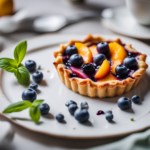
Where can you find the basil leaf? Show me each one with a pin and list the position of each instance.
(35, 113)
(22, 75)
(17, 107)
(8, 64)
(37, 102)
(20, 51)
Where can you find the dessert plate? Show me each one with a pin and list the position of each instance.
(55, 93)
(123, 23)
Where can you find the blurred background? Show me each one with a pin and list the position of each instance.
(22, 19)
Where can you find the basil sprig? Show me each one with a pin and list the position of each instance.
(15, 66)
(22, 105)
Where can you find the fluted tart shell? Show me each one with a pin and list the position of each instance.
(98, 89)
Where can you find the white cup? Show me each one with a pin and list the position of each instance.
(140, 9)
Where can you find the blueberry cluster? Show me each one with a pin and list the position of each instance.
(80, 114)
(125, 103)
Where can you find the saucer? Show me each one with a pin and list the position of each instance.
(123, 23)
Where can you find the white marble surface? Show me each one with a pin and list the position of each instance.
(24, 139)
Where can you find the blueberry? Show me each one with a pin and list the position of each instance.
(109, 116)
(73, 75)
(30, 65)
(136, 99)
(99, 58)
(29, 94)
(71, 49)
(103, 48)
(37, 76)
(33, 86)
(108, 111)
(70, 102)
(81, 115)
(121, 71)
(124, 103)
(76, 60)
(72, 108)
(44, 108)
(84, 105)
(59, 117)
(130, 62)
(88, 68)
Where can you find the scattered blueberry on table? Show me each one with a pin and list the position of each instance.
(44, 108)
(76, 60)
(108, 115)
(136, 99)
(59, 117)
(71, 49)
(29, 94)
(84, 105)
(30, 65)
(37, 76)
(124, 103)
(70, 102)
(81, 115)
(33, 86)
(72, 108)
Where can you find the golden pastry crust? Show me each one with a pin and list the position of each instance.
(98, 89)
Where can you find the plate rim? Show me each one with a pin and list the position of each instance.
(66, 136)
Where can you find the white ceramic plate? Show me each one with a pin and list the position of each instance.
(123, 23)
(56, 94)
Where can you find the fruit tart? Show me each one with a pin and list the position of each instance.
(97, 67)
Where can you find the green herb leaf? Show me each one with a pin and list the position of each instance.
(132, 119)
(20, 51)
(37, 102)
(23, 76)
(17, 107)
(35, 113)
(8, 64)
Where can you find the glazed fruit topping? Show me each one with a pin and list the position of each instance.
(88, 68)
(71, 49)
(130, 62)
(76, 60)
(121, 71)
(103, 48)
(103, 70)
(85, 52)
(99, 58)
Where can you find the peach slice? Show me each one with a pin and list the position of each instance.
(85, 52)
(93, 49)
(103, 70)
(109, 77)
(117, 53)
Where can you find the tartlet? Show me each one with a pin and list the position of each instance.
(105, 87)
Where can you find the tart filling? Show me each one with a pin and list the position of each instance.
(98, 67)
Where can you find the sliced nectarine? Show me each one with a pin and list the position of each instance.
(118, 54)
(93, 49)
(103, 70)
(85, 52)
(109, 77)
